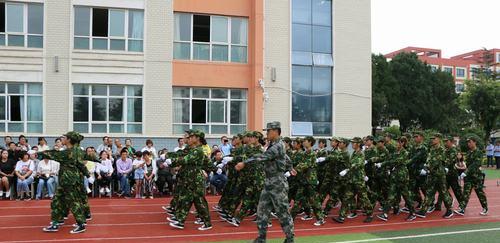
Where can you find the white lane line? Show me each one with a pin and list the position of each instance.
(419, 236)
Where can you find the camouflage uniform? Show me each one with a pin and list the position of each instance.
(370, 171)
(343, 183)
(331, 186)
(399, 181)
(307, 182)
(473, 179)
(356, 185)
(230, 194)
(381, 179)
(275, 193)
(175, 194)
(193, 185)
(452, 176)
(321, 167)
(436, 181)
(295, 158)
(418, 157)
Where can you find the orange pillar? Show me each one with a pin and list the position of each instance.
(255, 98)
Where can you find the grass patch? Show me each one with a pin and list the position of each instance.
(492, 173)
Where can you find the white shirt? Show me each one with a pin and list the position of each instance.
(106, 166)
(47, 168)
(24, 167)
(43, 148)
(137, 163)
(151, 150)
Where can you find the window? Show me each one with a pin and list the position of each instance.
(21, 107)
(312, 63)
(460, 72)
(210, 38)
(213, 111)
(108, 29)
(107, 108)
(448, 70)
(434, 68)
(498, 57)
(459, 88)
(21, 24)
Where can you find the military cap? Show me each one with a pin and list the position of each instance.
(436, 135)
(406, 135)
(74, 137)
(258, 134)
(418, 133)
(356, 140)
(448, 138)
(287, 140)
(197, 133)
(345, 141)
(298, 140)
(239, 135)
(388, 134)
(248, 134)
(379, 139)
(310, 139)
(473, 138)
(370, 137)
(322, 140)
(273, 125)
(334, 139)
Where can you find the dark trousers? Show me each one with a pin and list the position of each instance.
(165, 177)
(490, 161)
(497, 159)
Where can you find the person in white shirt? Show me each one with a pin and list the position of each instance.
(150, 148)
(24, 173)
(104, 171)
(149, 174)
(180, 145)
(87, 181)
(46, 172)
(42, 144)
(138, 165)
(23, 143)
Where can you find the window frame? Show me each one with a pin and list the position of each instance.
(25, 32)
(25, 122)
(125, 36)
(462, 69)
(448, 67)
(227, 111)
(90, 122)
(211, 43)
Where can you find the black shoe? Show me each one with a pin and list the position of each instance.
(460, 212)
(411, 217)
(51, 228)
(234, 222)
(60, 223)
(352, 216)
(88, 217)
(177, 225)
(449, 214)
(339, 219)
(396, 211)
(319, 222)
(405, 210)
(368, 219)
(383, 217)
(484, 212)
(431, 209)
(79, 229)
(205, 227)
(172, 219)
(420, 214)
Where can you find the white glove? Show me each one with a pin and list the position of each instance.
(366, 178)
(226, 160)
(167, 162)
(378, 165)
(463, 175)
(344, 172)
(446, 169)
(423, 172)
(220, 166)
(287, 174)
(320, 159)
(162, 157)
(219, 171)
(215, 163)
(91, 180)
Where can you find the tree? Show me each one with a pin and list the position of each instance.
(481, 98)
(385, 92)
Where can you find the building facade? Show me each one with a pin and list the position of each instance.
(461, 67)
(156, 68)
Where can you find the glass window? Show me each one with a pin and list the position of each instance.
(80, 89)
(118, 45)
(134, 90)
(2, 19)
(15, 17)
(201, 93)
(301, 36)
(80, 109)
(219, 93)
(217, 111)
(219, 29)
(322, 39)
(136, 24)
(135, 45)
(301, 11)
(322, 12)
(21, 107)
(201, 28)
(35, 18)
(117, 23)
(302, 58)
(82, 43)
(82, 21)
(134, 110)
(182, 51)
(99, 108)
(101, 90)
(116, 90)
(182, 27)
(239, 31)
(320, 59)
(99, 22)
(34, 88)
(220, 53)
(100, 44)
(201, 52)
(238, 112)
(239, 54)
(35, 41)
(199, 111)
(181, 92)
(460, 72)
(16, 40)
(181, 111)
(116, 109)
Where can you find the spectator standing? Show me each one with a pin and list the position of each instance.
(497, 153)
(225, 146)
(104, 172)
(24, 173)
(46, 173)
(150, 148)
(219, 178)
(150, 171)
(164, 175)
(124, 168)
(42, 144)
(490, 151)
(139, 172)
(7, 167)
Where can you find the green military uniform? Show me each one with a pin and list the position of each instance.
(418, 157)
(473, 178)
(452, 175)
(381, 179)
(370, 170)
(230, 194)
(321, 167)
(399, 181)
(274, 196)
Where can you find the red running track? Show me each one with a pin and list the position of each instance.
(122, 220)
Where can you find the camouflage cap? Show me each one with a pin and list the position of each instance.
(418, 133)
(370, 137)
(273, 125)
(258, 134)
(436, 135)
(239, 135)
(344, 140)
(197, 133)
(334, 139)
(356, 140)
(388, 134)
(287, 140)
(310, 139)
(448, 138)
(248, 134)
(406, 135)
(473, 138)
(379, 139)
(322, 140)
(298, 140)
(74, 137)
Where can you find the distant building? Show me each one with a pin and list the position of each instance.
(460, 67)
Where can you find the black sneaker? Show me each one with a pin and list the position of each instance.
(431, 209)
(460, 212)
(368, 219)
(234, 222)
(320, 222)
(177, 225)
(306, 218)
(172, 219)
(449, 214)
(383, 217)
(60, 223)
(405, 210)
(352, 215)
(205, 227)
(411, 217)
(484, 212)
(88, 217)
(51, 228)
(79, 229)
(199, 222)
(437, 207)
(339, 219)
(420, 214)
